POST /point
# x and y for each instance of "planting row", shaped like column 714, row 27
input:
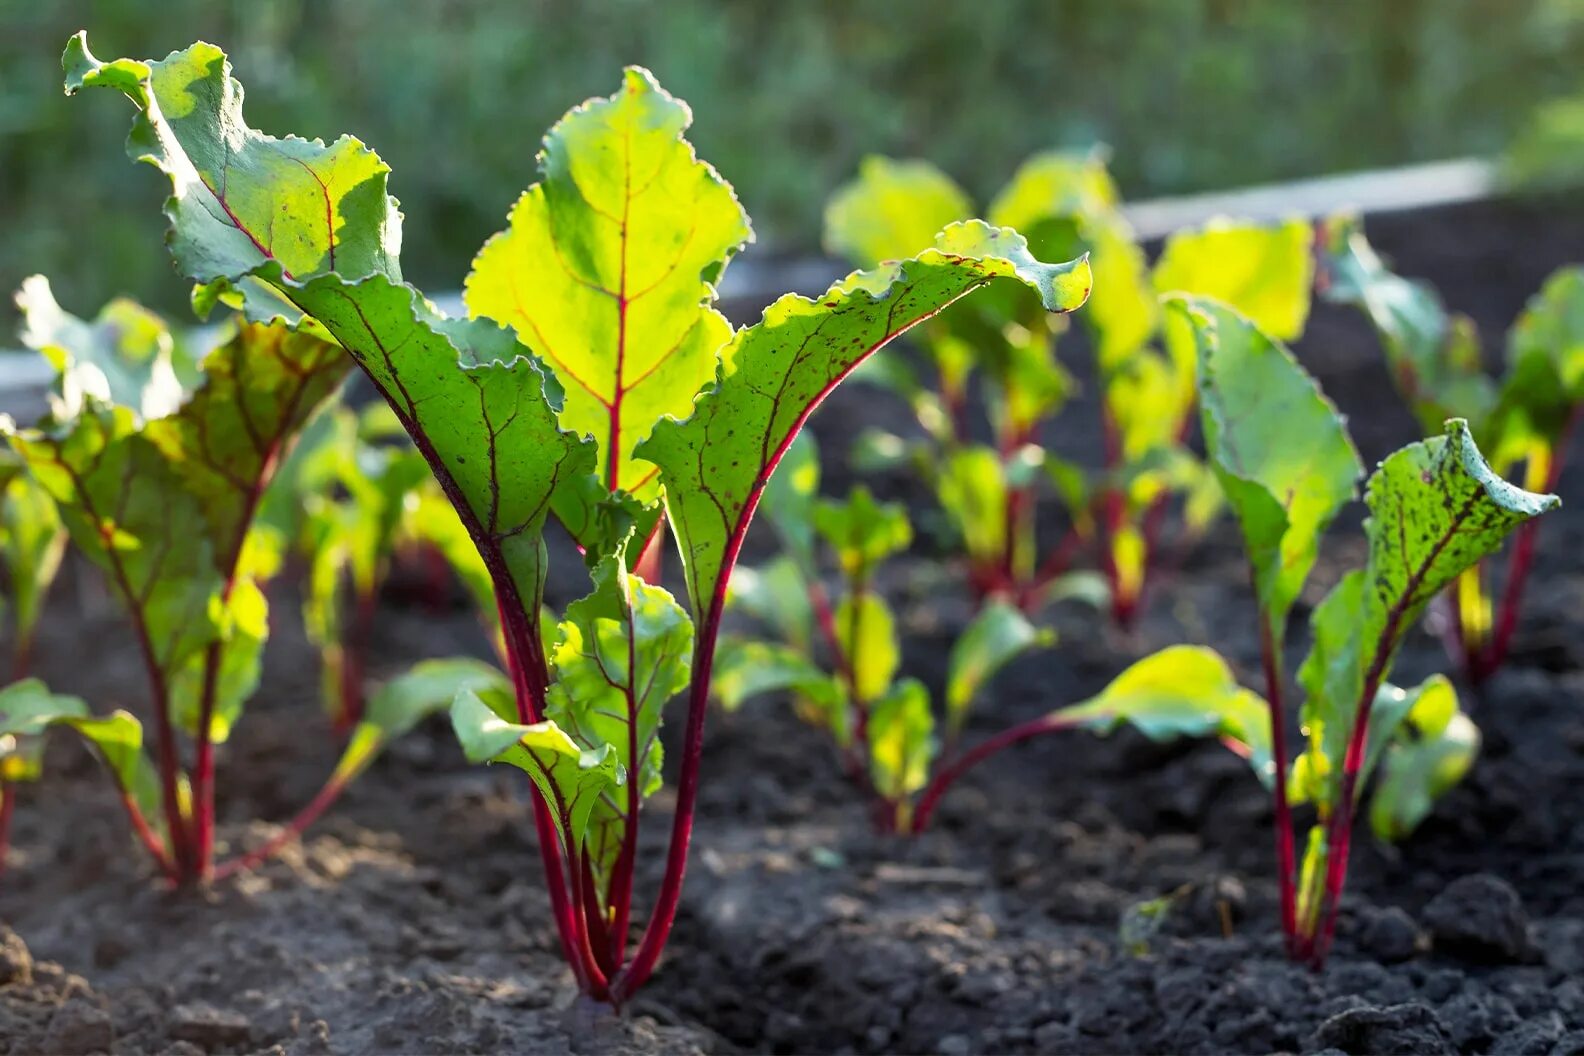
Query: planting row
column 595, row 385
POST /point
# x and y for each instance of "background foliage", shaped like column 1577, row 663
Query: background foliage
column 1190, row 94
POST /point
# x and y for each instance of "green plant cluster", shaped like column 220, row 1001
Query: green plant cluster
column 594, row 386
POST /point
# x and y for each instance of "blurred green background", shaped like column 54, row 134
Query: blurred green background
column 455, row 94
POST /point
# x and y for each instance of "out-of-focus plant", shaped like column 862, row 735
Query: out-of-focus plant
column 1525, row 419
column 159, row 485
column 357, row 496
column 839, row 655
column 32, row 541
column 1003, row 345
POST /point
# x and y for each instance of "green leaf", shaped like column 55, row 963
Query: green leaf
column 1436, row 508
column 1278, row 446
column 1434, row 358
column 891, row 209
column 33, row 541
column 316, row 223
column 482, row 421
column 996, row 637
column 127, row 510
column 572, row 779
column 241, row 622
column 28, row 709
column 746, row 669
column 861, row 531
column 901, row 740
column 867, row 631
column 715, row 464
column 1263, row 271
column 1055, row 183
column 1181, row 691
column 125, row 356
column 1068, row 199
column 1545, row 371
column 972, row 489
column 1430, row 753
column 776, row 595
column 1030, row 385
column 607, row 269
column 623, row 652
column 242, row 199
column 790, row 497
column 427, row 688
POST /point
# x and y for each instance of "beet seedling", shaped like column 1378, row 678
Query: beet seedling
column 617, row 383
column 356, row 495
column 1288, row 467
column 839, row 656
column 159, row 486
column 32, row 541
column 1065, row 204
column 1526, row 419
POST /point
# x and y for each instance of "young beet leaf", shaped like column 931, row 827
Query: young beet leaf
column 354, row 497
column 1435, row 508
column 32, row 542
column 1527, row 418
column 889, row 723
column 165, row 506
column 1065, row 204
column 604, row 278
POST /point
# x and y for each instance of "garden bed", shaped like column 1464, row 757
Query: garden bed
column 414, row 918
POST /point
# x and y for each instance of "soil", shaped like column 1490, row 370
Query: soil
column 413, row 918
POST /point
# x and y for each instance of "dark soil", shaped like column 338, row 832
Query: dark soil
column 413, row 919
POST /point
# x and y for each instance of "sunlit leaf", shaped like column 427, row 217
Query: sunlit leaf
column 572, row 779
column 996, row 637
column 1434, row 357
column 622, row 652
column 862, row 532
column 901, row 740
column 607, row 269
column 715, row 464
column 1278, row 446
column 891, row 209
column 1181, row 691
column 868, row 634
column 1435, row 509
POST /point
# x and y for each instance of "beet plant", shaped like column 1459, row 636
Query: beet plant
column 32, row 541
column 838, row 654
column 1288, row 467
column 159, row 485
column 1525, row 419
column 595, row 380
column 1007, row 349
column 356, row 497
column 837, row 658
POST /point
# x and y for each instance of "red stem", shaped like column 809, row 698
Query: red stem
column 568, row 928
column 150, row 839
column 947, row 775
column 180, row 859
column 601, row 948
column 663, row 916
column 1339, row 833
column 203, row 776
column 1286, row 858
column 1491, row 657
column 354, row 651
column 1056, row 563
column 7, row 808
column 293, row 830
